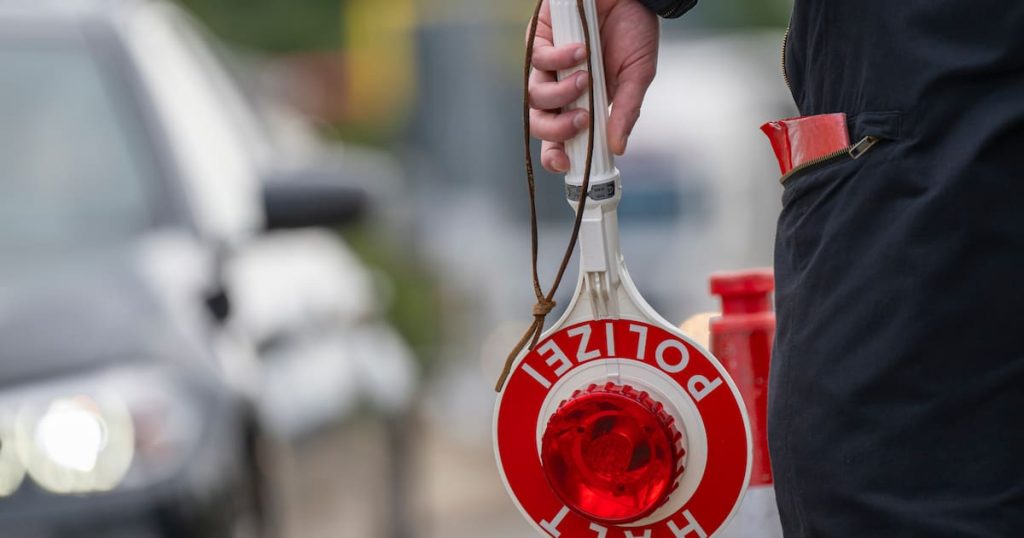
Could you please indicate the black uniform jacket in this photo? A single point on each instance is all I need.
(897, 392)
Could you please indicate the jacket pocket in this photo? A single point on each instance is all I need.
(814, 195)
(867, 131)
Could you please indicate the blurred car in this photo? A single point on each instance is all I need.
(167, 305)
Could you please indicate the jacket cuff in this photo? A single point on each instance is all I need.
(670, 9)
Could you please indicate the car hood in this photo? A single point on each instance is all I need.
(79, 312)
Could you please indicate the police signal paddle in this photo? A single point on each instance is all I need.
(615, 424)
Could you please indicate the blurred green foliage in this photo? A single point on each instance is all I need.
(273, 25)
(416, 305)
(302, 25)
(743, 13)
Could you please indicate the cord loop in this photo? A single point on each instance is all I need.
(545, 302)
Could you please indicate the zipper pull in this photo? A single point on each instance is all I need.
(862, 147)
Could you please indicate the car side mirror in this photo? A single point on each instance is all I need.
(311, 202)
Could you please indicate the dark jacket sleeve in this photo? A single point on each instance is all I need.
(670, 9)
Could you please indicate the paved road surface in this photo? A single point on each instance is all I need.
(336, 485)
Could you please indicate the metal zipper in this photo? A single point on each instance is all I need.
(855, 151)
(785, 72)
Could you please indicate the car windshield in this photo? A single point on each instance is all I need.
(73, 164)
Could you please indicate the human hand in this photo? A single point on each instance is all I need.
(629, 34)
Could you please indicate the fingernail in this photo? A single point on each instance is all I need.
(580, 54)
(580, 121)
(560, 166)
(581, 80)
(624, 143)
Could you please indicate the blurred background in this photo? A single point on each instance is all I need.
(261, 260)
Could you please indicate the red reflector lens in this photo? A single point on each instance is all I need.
(612, 454)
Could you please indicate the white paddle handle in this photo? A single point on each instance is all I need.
(568, 29)
(600, 290)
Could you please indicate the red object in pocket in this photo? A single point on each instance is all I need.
(797, 141)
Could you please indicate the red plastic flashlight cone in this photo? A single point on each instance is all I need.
(612, 454)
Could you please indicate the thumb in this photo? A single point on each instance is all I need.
(626, 105)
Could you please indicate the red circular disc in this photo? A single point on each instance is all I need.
(612, 454)
(565, 492)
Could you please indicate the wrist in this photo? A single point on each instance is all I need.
(670, 9)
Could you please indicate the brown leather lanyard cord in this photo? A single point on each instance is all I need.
(545, 302)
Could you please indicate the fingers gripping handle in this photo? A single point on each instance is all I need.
(567, 29)
(600, 257)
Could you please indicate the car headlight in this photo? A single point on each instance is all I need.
(12, 472)
(119, 430)
(76, 444)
